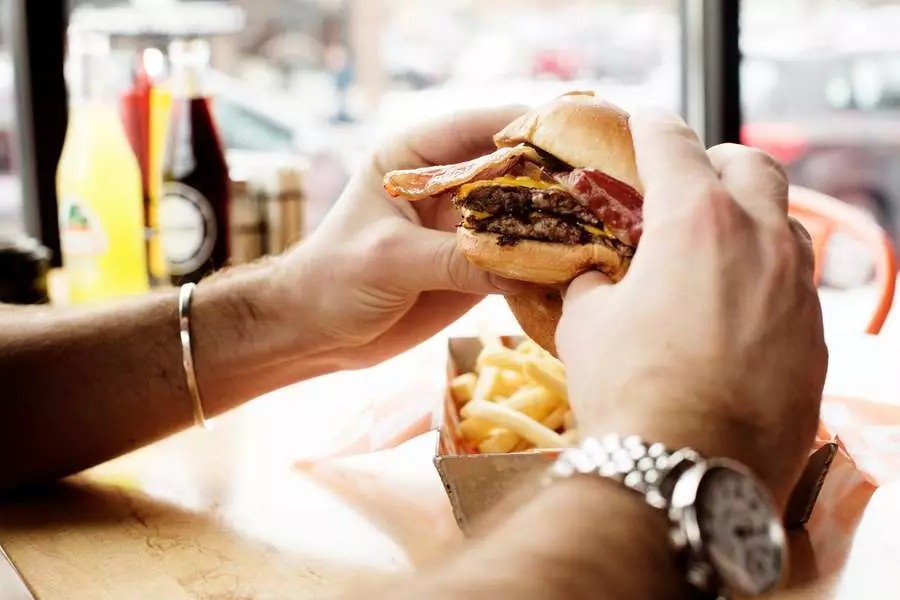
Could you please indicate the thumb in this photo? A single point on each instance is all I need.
(583, 285)
(439, 265)
(584, 297)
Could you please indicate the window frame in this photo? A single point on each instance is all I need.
(710, 63)
(38, 31)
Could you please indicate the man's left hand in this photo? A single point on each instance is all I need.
(384, 274)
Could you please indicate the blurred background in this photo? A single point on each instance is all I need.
(313, 83)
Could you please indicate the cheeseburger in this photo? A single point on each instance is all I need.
(559, 196)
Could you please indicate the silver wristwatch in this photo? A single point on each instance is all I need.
(724, 527)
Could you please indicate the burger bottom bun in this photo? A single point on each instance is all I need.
(544, 263)
(538, 310)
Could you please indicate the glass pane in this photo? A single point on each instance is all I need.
(11, 218)
(821, 92)
(315, 81)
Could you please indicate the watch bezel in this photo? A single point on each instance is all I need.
(684, 514)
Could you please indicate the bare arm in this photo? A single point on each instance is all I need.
(582, 538)
(377, 277)
(82, 386)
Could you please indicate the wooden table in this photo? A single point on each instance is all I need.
(227, 514)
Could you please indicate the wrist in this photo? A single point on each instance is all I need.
(247, 340)
(680, 422)
(592, 538)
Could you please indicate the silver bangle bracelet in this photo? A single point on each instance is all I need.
(187, 353)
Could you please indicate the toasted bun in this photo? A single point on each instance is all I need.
(538, 310)
(582, 131)
(544, 263)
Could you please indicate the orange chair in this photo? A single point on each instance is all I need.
(823, 215)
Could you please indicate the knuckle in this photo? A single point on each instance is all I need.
(677, 131)
(717, 211)
(759, 163)
(725, 150)
(714, 195)
(783, 242)
(755, 156)
(767, 164)
(784, 258)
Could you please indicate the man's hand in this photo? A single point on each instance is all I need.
(387, 273)
(714, 338)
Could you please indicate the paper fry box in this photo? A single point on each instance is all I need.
(476, 482)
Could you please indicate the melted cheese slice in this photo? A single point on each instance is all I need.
(507, 181)
(476, 215)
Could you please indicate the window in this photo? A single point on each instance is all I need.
(243, 129)
(821, 92)
(321, 78)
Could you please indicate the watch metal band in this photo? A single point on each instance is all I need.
(630, 461)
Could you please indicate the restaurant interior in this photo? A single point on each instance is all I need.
(345, 480)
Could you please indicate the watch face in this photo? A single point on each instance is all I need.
(740, 530)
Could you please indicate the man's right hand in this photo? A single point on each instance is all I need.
(714, 339)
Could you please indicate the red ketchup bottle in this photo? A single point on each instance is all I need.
(196, 194)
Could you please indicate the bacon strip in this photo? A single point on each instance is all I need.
(618, 205)
(417, 184)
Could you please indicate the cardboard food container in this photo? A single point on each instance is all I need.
(475, 482)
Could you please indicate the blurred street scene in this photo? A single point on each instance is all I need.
(316, 82)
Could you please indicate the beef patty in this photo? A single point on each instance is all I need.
(538, 226)
(522, 201)
(526, 213)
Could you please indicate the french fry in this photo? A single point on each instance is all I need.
(543, 373)
(462, 387)
(499, 441)
(502, 358)
(484, 388)
(522, 425)
(522, 446)
(508, 383)
(533, 400)
(476, 430)
(529, 347)
(490, 341)
(556, 419)
(515, 399)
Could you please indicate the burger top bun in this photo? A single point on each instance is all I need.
(581, 130)
(537, 262)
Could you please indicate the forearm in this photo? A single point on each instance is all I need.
(82, 386)
(582, 538)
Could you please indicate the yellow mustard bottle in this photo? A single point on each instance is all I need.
(99, 186)
(160, 109)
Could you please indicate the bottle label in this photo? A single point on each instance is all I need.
(81, 233)
(187, 225)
